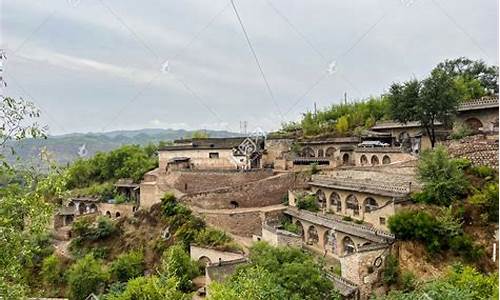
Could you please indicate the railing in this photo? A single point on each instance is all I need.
(485, 101)
(341, 225)
(362, 184)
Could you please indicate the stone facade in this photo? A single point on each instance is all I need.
(116, 210)
(380, 156)
(266, 192)
(207, 255)
(278, 237)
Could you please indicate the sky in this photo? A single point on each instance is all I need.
(103, 65)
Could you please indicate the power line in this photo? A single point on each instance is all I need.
(256, 59)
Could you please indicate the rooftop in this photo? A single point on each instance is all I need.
(373, 185)
(205, 143)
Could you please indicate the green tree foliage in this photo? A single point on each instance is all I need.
(250, 283)
(149, 288)
(200, 134)
(177, 264)
(129, 161)
(442, 177)
(308, 202)
(53, 271)
(461, 282)
(285, 273)
(469, 73)
(487, 200)
(86, 276)
(435, 99)
(88, 230)
(128, 266)
(391, 272)
(438, 233)
(343, 118)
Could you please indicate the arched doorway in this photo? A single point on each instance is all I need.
(345, 159)
(204, 261)
(234, 204)
(474, 123)
(320, 153)
(93, 208)
(108, 214)
(374, 160)
(313, 238)
(363, 160)
(352, 203)
(386, 160)
(301, 229)
(81, 208)
(321, 199)
(308, 152)
(335, 203)
(117, 214)
(370, 205)
(348, 246)
(330, 241)
(330, 152)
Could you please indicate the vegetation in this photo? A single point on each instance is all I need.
(177, 264)
(86, 276)
(443, 178)
(461, 282)
(149, 288)
(307, 202)
(276, 273)
(128, 266)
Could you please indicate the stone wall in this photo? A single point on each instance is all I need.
(202, 253)
(200, 158)
(361, 268)
(479, 149)
(266, 192)
(277, 237)
(199, 181)
(116, 210)
(275, 148)
(370, 157)
(244, 224)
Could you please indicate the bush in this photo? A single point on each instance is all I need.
(391, 271)
(52, 271)
(105, 228)
(86, 276)
(443, 178)
(487, 200)
(128, 266)
(460, 130)
(149, 288)
(484, 172)
(308, 202)
(290, 227)
(408, 281)
(420, 226)
(177, 264)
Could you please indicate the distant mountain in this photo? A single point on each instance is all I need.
(68, 147)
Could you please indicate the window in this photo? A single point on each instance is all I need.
(213, 155)
(382, 221)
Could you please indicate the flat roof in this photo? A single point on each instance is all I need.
(205, 144)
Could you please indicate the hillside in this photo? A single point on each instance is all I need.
(66, 148)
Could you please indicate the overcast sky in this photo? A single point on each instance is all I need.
(101, 65)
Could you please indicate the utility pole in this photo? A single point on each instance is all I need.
(345, 98)
(315, 110)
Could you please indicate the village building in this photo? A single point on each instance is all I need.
(480, 115)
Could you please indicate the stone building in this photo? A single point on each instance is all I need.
(480, 115)
(212, 154)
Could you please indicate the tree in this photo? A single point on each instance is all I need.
(294, 275)
(342, 125)
(429, 102)
(86, 276)
(200, 134)
(252, 283)
(150, 288)
(470, 72)
(128, 266)
(442, 177)
(177, 264)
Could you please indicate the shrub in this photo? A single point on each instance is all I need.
(391, 271)
(52, 270)
(150, 288)
(460, 130)
(177, 264)
(443, 178)
(127, 266)
(86, 276)
(408, 281)
(290, 227)
(484, 172)
(105, 228)
(487, 200)
(409, 225)
(314, 169)
(308, 202)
